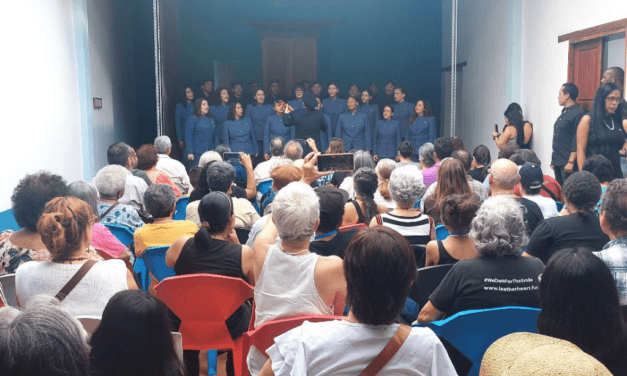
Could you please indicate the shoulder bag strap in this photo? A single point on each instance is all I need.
(69, 286)
(108, 211)
(388, 351)
(544, 188)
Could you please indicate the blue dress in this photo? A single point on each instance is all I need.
(296, 104)
(372, 113)
(387, 136)
(200, 136)
(402, 113)
(181, 114)
(326, 136)
(334, 108)
(258, 114)
(353, 129)
(219, 113)
(239, 135)
(276, 128)
(421, 131)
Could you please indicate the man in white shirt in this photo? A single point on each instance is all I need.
(120, 154)
(531, 179)
(172, 167)
(263, 169)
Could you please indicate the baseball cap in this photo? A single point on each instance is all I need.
(531, 176)
(331, 200)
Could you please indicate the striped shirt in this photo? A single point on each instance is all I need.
(417, 230)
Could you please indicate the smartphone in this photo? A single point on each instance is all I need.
(496, 128)
(232, 158)
(336, 162)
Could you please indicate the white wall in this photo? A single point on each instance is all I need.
(39, 62)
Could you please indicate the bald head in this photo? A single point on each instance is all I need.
(614, 75)
(504, 175)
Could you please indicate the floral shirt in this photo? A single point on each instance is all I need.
(122, 215)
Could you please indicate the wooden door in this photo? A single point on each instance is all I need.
(585, 70)
(289, 59)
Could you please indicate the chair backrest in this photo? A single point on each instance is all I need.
(420, 254)
(139, 267)
(90, 323)
(242, 235)
(356, 225)
(181, 208)
(441, 232)
(123, 233)
(8, 286)
(472, 332)
(428, 280)
(154, 258)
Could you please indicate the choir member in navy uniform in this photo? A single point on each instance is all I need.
(258, 113)
(297, 102)
(354, 91)
(274, 92)
(325, 136)
(251, 89)
(334, 106)
(390, 86)
(371, 110)
(275, 127)
(205, 90)
(183, 110)
(200, 132)
(387, 136)
(353, 129)
(316, 90)
(402, 109)
(220, 110)
(239, 134)
(308, 122)
(421, 125)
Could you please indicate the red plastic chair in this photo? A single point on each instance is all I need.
(263, 337)
(203, 302)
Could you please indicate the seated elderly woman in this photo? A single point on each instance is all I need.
(147, 159)
(65, 228)
(425, 156)
(580, 227)
(380, 268)
(134, 338)
(363, 208)
(580, 304)
(457, 214)
(110, 181)
(28, 201)
(42, 340)
(499, 277)
(291, 280)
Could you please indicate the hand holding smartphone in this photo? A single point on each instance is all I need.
(336, 162)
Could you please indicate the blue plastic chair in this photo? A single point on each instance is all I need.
(441, 232)
(473, 331)
(139, 267)
(123, 233)
(559, 206)
(181, 208)
(154, 258)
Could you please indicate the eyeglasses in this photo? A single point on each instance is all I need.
(614, 99)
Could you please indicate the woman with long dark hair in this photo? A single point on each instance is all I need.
(133, 338)
(580, 304)
(516, 131)
(602, 131)
(184, 109)
(275, 127)
(363, 208)
(200, 132)
(220, 108)
(238, 131)
(421, 127)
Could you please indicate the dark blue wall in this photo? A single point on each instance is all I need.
(381, 40)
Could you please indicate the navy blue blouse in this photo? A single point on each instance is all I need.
(372, 113)
(353, 129)
(421, 131)
(219, 113)
(276, 128)
(181, 114)
(387, 136)
(402, 113)
(334, 108)
(296, 104)
(258, 114)
(200, 135)
(239, 135)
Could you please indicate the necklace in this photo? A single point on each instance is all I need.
(608, 127)
(70, 259)
(322, 236)
(293, 254)
(460, 233)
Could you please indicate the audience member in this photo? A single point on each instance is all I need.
(110, 182)
(65, 229)
(147, 159)
(290, 279)
(600, 167)
(480, 165)
(194, 177)
(550, 188)
(263, 169)
(499, 277)
(134, 187)
(175, 169)
(134, 338)
(406, 154)
(42, 340)
(362, 158)
(28, 201)
(457, 213)
(507, 151)
(380, 269)
(503, 178)
(329, 241)
(425, 156)
(363, 208)
(531, 179)
(442, 148)
(452, 180)
(613, 220)
(580, 304)
(209, 156)
(382, 195)
(293, 151)
(579, 228)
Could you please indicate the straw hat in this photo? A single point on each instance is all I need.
(529, 354)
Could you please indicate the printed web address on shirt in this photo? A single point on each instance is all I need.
(510, 289)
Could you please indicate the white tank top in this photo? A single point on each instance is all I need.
(286, 287)
(89, 296)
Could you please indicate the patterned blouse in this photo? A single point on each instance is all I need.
(122, 215)
(160, 177)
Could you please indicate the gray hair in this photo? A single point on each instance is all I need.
(209, 156)
(363, 158)
(499, 228)
(295, 211)
(110, 180)
(86, 192)
(293, 150)
(159, 199)
(425, 154)
(406, 186)
(43, 339)
(220, 176)
(162, 144)
(276, 146)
